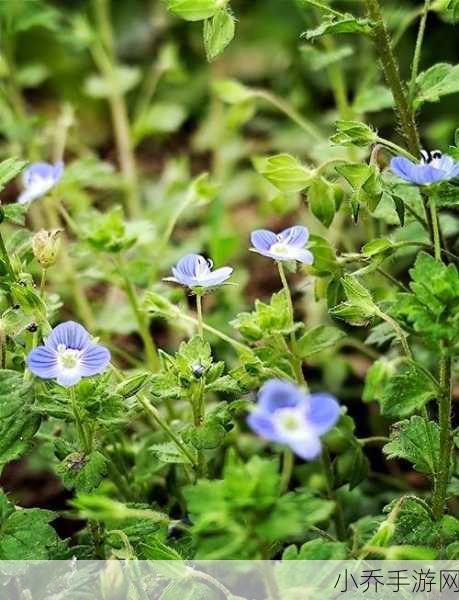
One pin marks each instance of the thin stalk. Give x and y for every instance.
(297, 361)
(391, 71)
(82, 440)
(338, 515)
(418, 50)
(323, 7)
(435, 227)
(6, 259)
(446, 438)
(376, 439)
(142, 322)
(290, 112)
(153, 413)
(398, 330)
(287, 470)
(199, 313)
(395, 147)
(43, 283)
(392, 279)
(104, 57)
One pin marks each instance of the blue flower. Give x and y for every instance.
(434, 167)
(39, 179)
(68, 355)
(287, 245)
(285, 414)
(195, 271)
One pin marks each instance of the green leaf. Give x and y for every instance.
(81, 472)
(373, 99)
(15, 213)
(18, 424)
(417, 441)
(232, 91)
(359, 307)
(285, 172)
(376, 379)
(266, 320)
(407, 391)
(318, 59)
(218, 33)
(365, 182)
(9, 168)
(195, 10)
(351, 467)
(345, 24)
(169, 453)
(107, 232)
(438, 81)
(321, 200)
(124, 79)
(325, 261)
(375, 247)
(25, 534)
(431, 310)
(353, 133)
(318, 549)
(159, 118)
(318, 339)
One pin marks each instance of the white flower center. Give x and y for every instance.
(283, 249)
(68, 358)
(291, 422)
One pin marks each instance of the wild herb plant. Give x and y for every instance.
(296, 404)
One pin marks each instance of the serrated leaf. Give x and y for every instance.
(169, 453)
(319, 339)
(218, 33)
(266, 320)
(417, 441)
(438, 81)
(81, 472)
(18, 424)
(407, 391)
(9, 168)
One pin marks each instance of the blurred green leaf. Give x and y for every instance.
(218, 33)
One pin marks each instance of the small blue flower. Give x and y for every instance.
(195, 271)
(39, 179)
(285, 414)
(68, 355)
(434, 167)
(287, 245)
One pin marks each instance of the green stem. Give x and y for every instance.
(142, 321)
(290, 112)
(338, 512)
(376, 439)
(6, 259)
(43, 283)
(398, 330)
(418, 50)
(395, 147)
(199, 313)
(287, 470)
(297, 361)
(82, 440)
(104, 57)
(435, 227)
(446, 437)
(323, 7)
(153, 413)
(391, 71)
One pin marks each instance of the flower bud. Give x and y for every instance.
(113, 581)
(45, 246)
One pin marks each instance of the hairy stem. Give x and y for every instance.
(418, 50)
(446, 437)
(391, 71)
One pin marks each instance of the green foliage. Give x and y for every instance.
(318, 339)
(359, 308)
(218, 33)
(365, 184)
(108, 232)
(83, 473)
(285, 172)
(243, 513)
(440, 80)
(347, 23)
(417, 441)
(18, 423)
(266, 320)
(321, 200)
(318, 549)
(195, 10)
(353, 133)
(26, 534)
(432, 307)
(407, 391)
(9, 168)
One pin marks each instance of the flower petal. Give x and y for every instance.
(94, 359)
(308, 448)
(68, 377)
(413, 173)
(188, 265)
(277, 394)
(42, 362)
(262, 425)
(69, 334)
(38, 170)
(217, 277)
(305, 256)
(296, 236)
(323, 412)
(263, 239)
